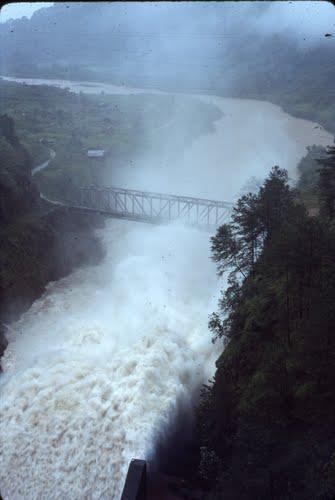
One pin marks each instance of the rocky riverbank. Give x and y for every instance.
(40, 243)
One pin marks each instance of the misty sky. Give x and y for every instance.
(306, 22)
(20, 9)
(309, 18)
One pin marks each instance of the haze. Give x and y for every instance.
(108, 351)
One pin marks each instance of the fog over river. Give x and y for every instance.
(100, 365)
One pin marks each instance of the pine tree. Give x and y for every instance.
(267, 421)
(327, 184)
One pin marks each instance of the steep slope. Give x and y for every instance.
(195, 47)
(39, 243)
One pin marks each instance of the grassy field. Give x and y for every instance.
(126, 126)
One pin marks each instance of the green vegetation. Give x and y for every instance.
(36, 119)
(303, 99)
(17, 192)
(279, 67)
(38, 243)
(309, 175)
(266, 422)
(293, 73)
(128, 127)
(299, 79)
(327, 185)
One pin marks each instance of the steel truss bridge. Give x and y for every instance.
(152, 207)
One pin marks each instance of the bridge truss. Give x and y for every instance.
(154, 207)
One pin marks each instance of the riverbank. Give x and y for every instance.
(298, 97)
(40, 242)
(121, 348)
(267, 134)
(130, 128)
(39, 249)
(43, 242)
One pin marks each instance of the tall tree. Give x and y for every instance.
(327, 184)
(273, 397)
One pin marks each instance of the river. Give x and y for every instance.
(98, 368)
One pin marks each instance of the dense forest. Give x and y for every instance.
(38, 119)
(39, 243)
(232, 56)
(266, 422)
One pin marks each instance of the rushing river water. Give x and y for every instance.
(100, 365)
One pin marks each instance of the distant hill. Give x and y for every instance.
(197, 48)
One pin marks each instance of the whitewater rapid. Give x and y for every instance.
(97, 369)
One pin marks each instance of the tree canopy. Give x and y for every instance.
(266, 423)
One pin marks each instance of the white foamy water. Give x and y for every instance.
(97, 369)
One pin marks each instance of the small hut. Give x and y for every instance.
(96, 156)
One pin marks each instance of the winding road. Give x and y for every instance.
(111, 355)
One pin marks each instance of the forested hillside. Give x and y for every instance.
(38, 243)
(266, 422)
(195, 48)
(37, 119)
(18, 195)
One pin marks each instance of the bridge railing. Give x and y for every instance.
(144, 205)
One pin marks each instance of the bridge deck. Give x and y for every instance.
(153, 207)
